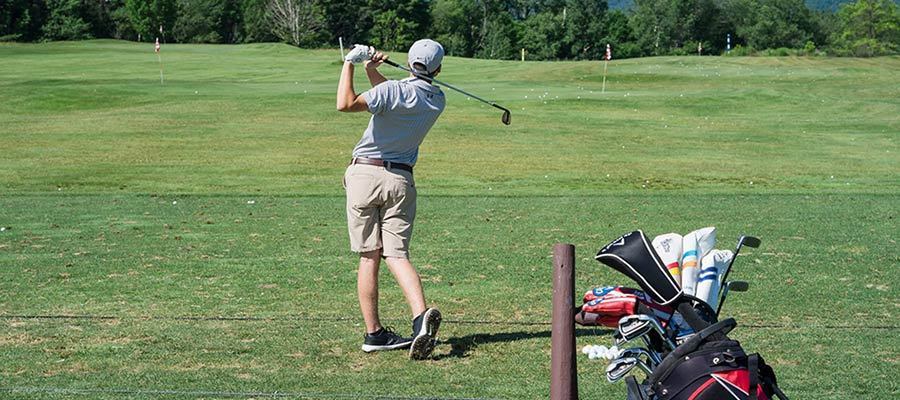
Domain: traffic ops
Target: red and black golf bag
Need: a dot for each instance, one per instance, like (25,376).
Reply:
(709,365)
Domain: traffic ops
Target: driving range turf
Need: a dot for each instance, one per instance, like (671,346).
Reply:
(188,239)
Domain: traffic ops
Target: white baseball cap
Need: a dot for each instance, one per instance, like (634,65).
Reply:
(428,53)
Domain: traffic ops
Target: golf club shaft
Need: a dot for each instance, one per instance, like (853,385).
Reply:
(422,76)
(722,299)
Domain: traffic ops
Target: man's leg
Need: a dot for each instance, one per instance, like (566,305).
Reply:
(409,282)
(367,288)
(377,338)
(426,321)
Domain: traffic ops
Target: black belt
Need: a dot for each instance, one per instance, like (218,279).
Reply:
(381,163)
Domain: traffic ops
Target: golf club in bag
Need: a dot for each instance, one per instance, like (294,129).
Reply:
(505,118)
(709,365)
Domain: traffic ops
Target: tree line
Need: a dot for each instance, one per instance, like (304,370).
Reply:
(495,29)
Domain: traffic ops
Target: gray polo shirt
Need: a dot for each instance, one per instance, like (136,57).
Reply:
(402,113)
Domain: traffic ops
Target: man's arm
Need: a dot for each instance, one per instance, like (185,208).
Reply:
(347,99)
(375,77)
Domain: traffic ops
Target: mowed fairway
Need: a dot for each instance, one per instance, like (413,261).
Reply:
(188,240)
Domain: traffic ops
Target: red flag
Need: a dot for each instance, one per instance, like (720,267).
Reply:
(157,45)
(608,53)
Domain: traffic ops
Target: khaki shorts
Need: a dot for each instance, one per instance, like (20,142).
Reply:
(381,207)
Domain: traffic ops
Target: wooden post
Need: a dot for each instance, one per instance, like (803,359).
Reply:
(563,369)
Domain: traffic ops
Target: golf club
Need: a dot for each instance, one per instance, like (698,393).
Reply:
(634,326)
(620,367)
(734,286)
(505,118)
(748,241)
(653,359)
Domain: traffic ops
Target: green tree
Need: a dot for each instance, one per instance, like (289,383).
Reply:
(207,21)
(21,20)
(255,23)
(348,19)
(148,17)
(98,14)
(542,36)
(65,22)
(869,28)
(392,32)
(768,24)
(498,38)
(661,25)
(121,21)
(618,34)
(457,26)
(396,24)
(585,23)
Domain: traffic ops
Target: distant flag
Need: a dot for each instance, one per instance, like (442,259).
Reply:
(160,30)
(608,53)
(157,45)
(699,48)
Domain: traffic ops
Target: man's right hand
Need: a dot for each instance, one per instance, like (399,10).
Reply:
(359,54)
(376,60)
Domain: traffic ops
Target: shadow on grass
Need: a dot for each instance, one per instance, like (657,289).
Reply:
(461,347)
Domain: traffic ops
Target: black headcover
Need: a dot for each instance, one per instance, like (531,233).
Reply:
(633,255)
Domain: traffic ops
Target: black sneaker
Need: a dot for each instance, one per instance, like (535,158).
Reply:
(425,328)
(384,339)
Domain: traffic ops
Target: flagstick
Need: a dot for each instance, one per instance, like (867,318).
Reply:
(159,57)
(605,64)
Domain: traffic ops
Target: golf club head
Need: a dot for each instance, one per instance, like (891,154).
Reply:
(634,326)
(750,241)
(738,286)
(644,326)
(653,359)
(620,367)
(506,117)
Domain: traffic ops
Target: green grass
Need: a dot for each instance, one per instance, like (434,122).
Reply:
(217,194)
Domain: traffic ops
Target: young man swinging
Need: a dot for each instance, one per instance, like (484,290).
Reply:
(381,192)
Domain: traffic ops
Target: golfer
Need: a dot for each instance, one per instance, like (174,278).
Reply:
(381,191)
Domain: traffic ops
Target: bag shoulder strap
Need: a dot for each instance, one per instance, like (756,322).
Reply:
(753,369)
(767,376)
(664,369)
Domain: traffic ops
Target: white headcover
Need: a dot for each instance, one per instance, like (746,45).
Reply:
(712,267)
(706,241)
(668,246)
(689,263)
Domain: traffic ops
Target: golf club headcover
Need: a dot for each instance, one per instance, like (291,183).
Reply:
(706,241)
(689,263)
(609,292)
(668,246)
(712,267)
(633,255)
(606,305)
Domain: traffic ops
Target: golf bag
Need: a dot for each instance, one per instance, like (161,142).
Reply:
(708,365)
(707,368)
